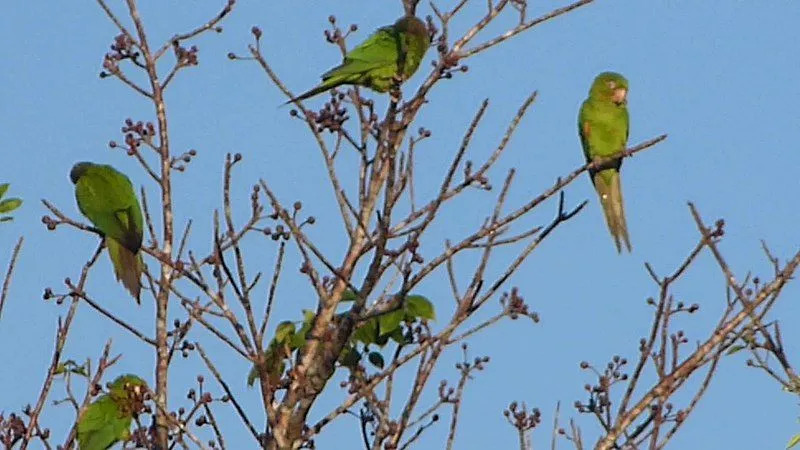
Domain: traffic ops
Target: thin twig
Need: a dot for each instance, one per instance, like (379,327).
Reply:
(276,272)
(524,26)
(112,317)
(62,330)
(9,273)
(228,392)
(102,364)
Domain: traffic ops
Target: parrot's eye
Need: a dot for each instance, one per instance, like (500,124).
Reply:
(611,85)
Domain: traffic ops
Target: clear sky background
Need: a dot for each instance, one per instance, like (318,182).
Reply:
(720,77)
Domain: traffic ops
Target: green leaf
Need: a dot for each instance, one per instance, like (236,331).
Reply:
(398,336)
(349,296)
(274,365)
(3,189)
(735,349)
(420,307)
(390,321)
(72,367)
(376,359)
(9,205)
(366,333)
(793,441)
(349,357)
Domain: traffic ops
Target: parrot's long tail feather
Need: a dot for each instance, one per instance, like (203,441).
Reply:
(307,94)
(327,84)
(610,191)
(128,267)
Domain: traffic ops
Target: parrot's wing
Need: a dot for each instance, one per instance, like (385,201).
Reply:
(627,128)
(94,417)
(127,212)
(131,230)
(107,198)
(584,130)
(95,429)
(601,135)
(102,425)
(379,50)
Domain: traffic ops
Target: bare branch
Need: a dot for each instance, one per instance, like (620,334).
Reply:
(62,330)
(9,273)
(228,392)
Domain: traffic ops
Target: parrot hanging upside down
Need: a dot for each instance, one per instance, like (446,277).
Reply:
(106,197)
(603,128)
(108,419)
(373,63)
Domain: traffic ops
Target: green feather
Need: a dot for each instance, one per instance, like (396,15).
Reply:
(374,63)
(108,419)
(603,127)
(106,197)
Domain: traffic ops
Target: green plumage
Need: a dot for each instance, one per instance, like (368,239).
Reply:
(106,197)
(374,62)
(108,419)
(603,128)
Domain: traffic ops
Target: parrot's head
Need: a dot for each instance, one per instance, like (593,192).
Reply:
(128,386)
(412,25)
(78,170)
(610,86)
(128,391)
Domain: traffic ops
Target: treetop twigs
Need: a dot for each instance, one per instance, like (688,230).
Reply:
(212,24)
(523,26)
(718,340)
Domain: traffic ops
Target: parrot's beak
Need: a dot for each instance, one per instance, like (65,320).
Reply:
(620,96)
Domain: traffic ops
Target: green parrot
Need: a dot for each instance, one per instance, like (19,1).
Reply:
(603,127)
(108,419)
(106,197)
(374,62)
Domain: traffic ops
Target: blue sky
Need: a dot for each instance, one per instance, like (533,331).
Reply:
(719,77)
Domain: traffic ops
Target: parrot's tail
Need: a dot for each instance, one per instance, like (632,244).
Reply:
(307,94)
(327,84)
(128,267)
(607,183)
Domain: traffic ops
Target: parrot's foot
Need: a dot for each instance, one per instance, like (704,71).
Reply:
(607,162)
(395,91)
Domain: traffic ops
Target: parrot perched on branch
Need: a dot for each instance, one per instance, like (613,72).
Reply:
(374,63)
(108,419)
(603,128)
(106,197)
